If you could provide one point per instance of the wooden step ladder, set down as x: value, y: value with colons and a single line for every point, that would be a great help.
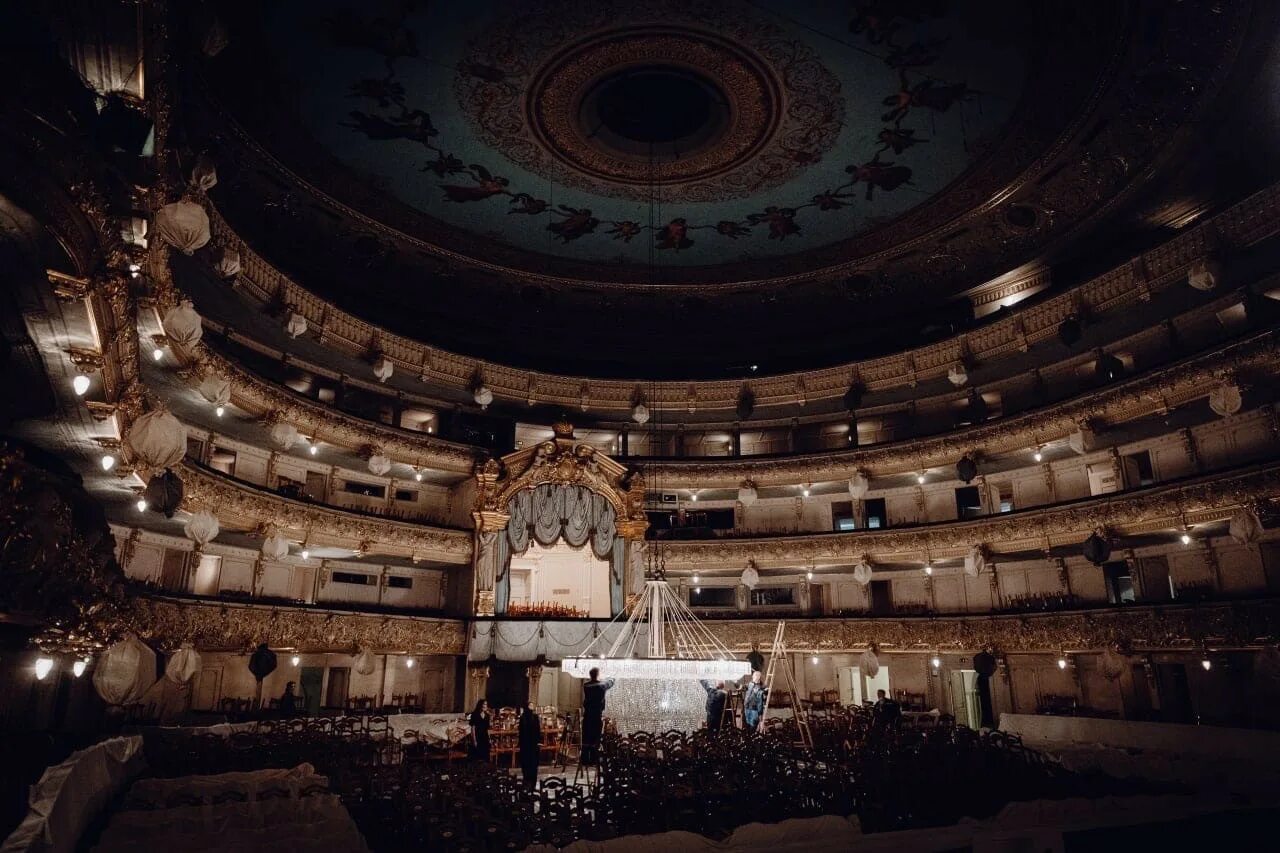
x: 778, y: 657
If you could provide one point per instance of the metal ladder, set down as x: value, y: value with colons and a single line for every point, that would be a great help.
x: 778, y: 656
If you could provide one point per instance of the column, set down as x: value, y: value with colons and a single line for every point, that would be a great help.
x: 534, y: 674
x: 477, y: 684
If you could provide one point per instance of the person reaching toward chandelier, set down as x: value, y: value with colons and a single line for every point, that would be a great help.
x: 593, y: 691
x: 716, y: 699
x: 753, y: 702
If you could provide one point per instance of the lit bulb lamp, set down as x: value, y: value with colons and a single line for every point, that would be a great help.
x: 80, y: 384
x: 1062, y: 663
x: 220, y: 411
x: 1207, y: 664
x: 141, y: 504
x: 936, y: 663
x: 157, y: 353
x: 306, y: 555
x: 814, y: 660
x: 108, y: 462
x: 44, y: 666
x: 1186, y: 539
x: 409, y: 663
x: 78, y: 668
x: 295, y: 660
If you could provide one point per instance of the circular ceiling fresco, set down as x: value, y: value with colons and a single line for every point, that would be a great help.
x: 709, y: 132
x: 591, y: 185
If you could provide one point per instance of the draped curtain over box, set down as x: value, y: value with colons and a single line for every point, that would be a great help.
x: 556, y: 490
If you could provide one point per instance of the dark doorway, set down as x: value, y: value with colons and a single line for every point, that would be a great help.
x: 310, y: 680
x: 881, y: 598
x: 1175, y: 693
x: 339, y: 680
x: 508, y: 685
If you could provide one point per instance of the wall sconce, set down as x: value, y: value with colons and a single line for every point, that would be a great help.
x: 78, y: 668
x: 44, y: 666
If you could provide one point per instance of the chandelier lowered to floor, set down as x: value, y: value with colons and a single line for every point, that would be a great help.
x: 661, y: 639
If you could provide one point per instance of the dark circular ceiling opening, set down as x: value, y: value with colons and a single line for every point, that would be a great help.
x: 656, y: 105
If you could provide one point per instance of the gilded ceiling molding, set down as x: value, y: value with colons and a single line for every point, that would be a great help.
x: 218, y: 626
x: 263, y: 398
x: 1131, y: 629
x: 243, y: 508
x: 1249, y: 221
x: 1210, y: 498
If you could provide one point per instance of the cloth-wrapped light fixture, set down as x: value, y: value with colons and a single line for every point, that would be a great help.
x: 975, y: 562
x: 383, y: 368
x: 262, y: 662
x: 957, y: 375
x: 182, y: 665
x: 483, y: 396
x: 215, y: 389
x: 204, y: 174
x: 275, y: 547
x: 156, y: 440
x: 164, y: 493
x: 201, y: 528
x: 125, y: 671
x: 862, y: 573
x: 182, y: 324
x: 1203, y: 275
x: 640, y: 414
x: 747, y: 493
x: 183, y: 225
x: 379, y: 464
x: 284, y: 435
x: 869, y: 664
x: 750, y: 577
x: 1096, y: 549
x: 1225, y: 400
x: 296, y: 325
x: 859, y: 485
x: 227, y: 263
x: 1245, y: 527
x: 364, y: 663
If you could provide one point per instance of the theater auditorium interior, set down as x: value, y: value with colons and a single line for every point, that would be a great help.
x: 689, y: 425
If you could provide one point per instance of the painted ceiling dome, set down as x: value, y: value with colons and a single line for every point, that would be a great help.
x: 802, y: 170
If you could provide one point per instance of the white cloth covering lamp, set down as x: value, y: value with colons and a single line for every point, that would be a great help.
x: 182, y: 325
x: 183, y: 225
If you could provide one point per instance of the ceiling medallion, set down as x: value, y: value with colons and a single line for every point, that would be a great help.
x: 661, y: 101
x: 616, y: 109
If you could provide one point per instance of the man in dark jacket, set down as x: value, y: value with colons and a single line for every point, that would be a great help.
x: 753, y: 702
x: 530, y: 745
x: 593, y: 690
x: 716, y: 697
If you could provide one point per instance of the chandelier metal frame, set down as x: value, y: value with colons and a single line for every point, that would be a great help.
x: 641, y: 649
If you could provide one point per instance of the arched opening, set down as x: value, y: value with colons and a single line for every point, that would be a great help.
x: 559, y: 580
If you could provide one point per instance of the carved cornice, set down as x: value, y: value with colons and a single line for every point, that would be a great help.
x: 1236, y: 624
x: 562, y: 461
x: 1204, y: 499
x: 263, y: 398
x: 215, y: 626
x: 1153, y: 392
x: 242, y: 507
x: 1249, y: 221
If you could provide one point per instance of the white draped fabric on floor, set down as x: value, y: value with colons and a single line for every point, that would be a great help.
x: 70, y: 795
x: 439, y: 729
